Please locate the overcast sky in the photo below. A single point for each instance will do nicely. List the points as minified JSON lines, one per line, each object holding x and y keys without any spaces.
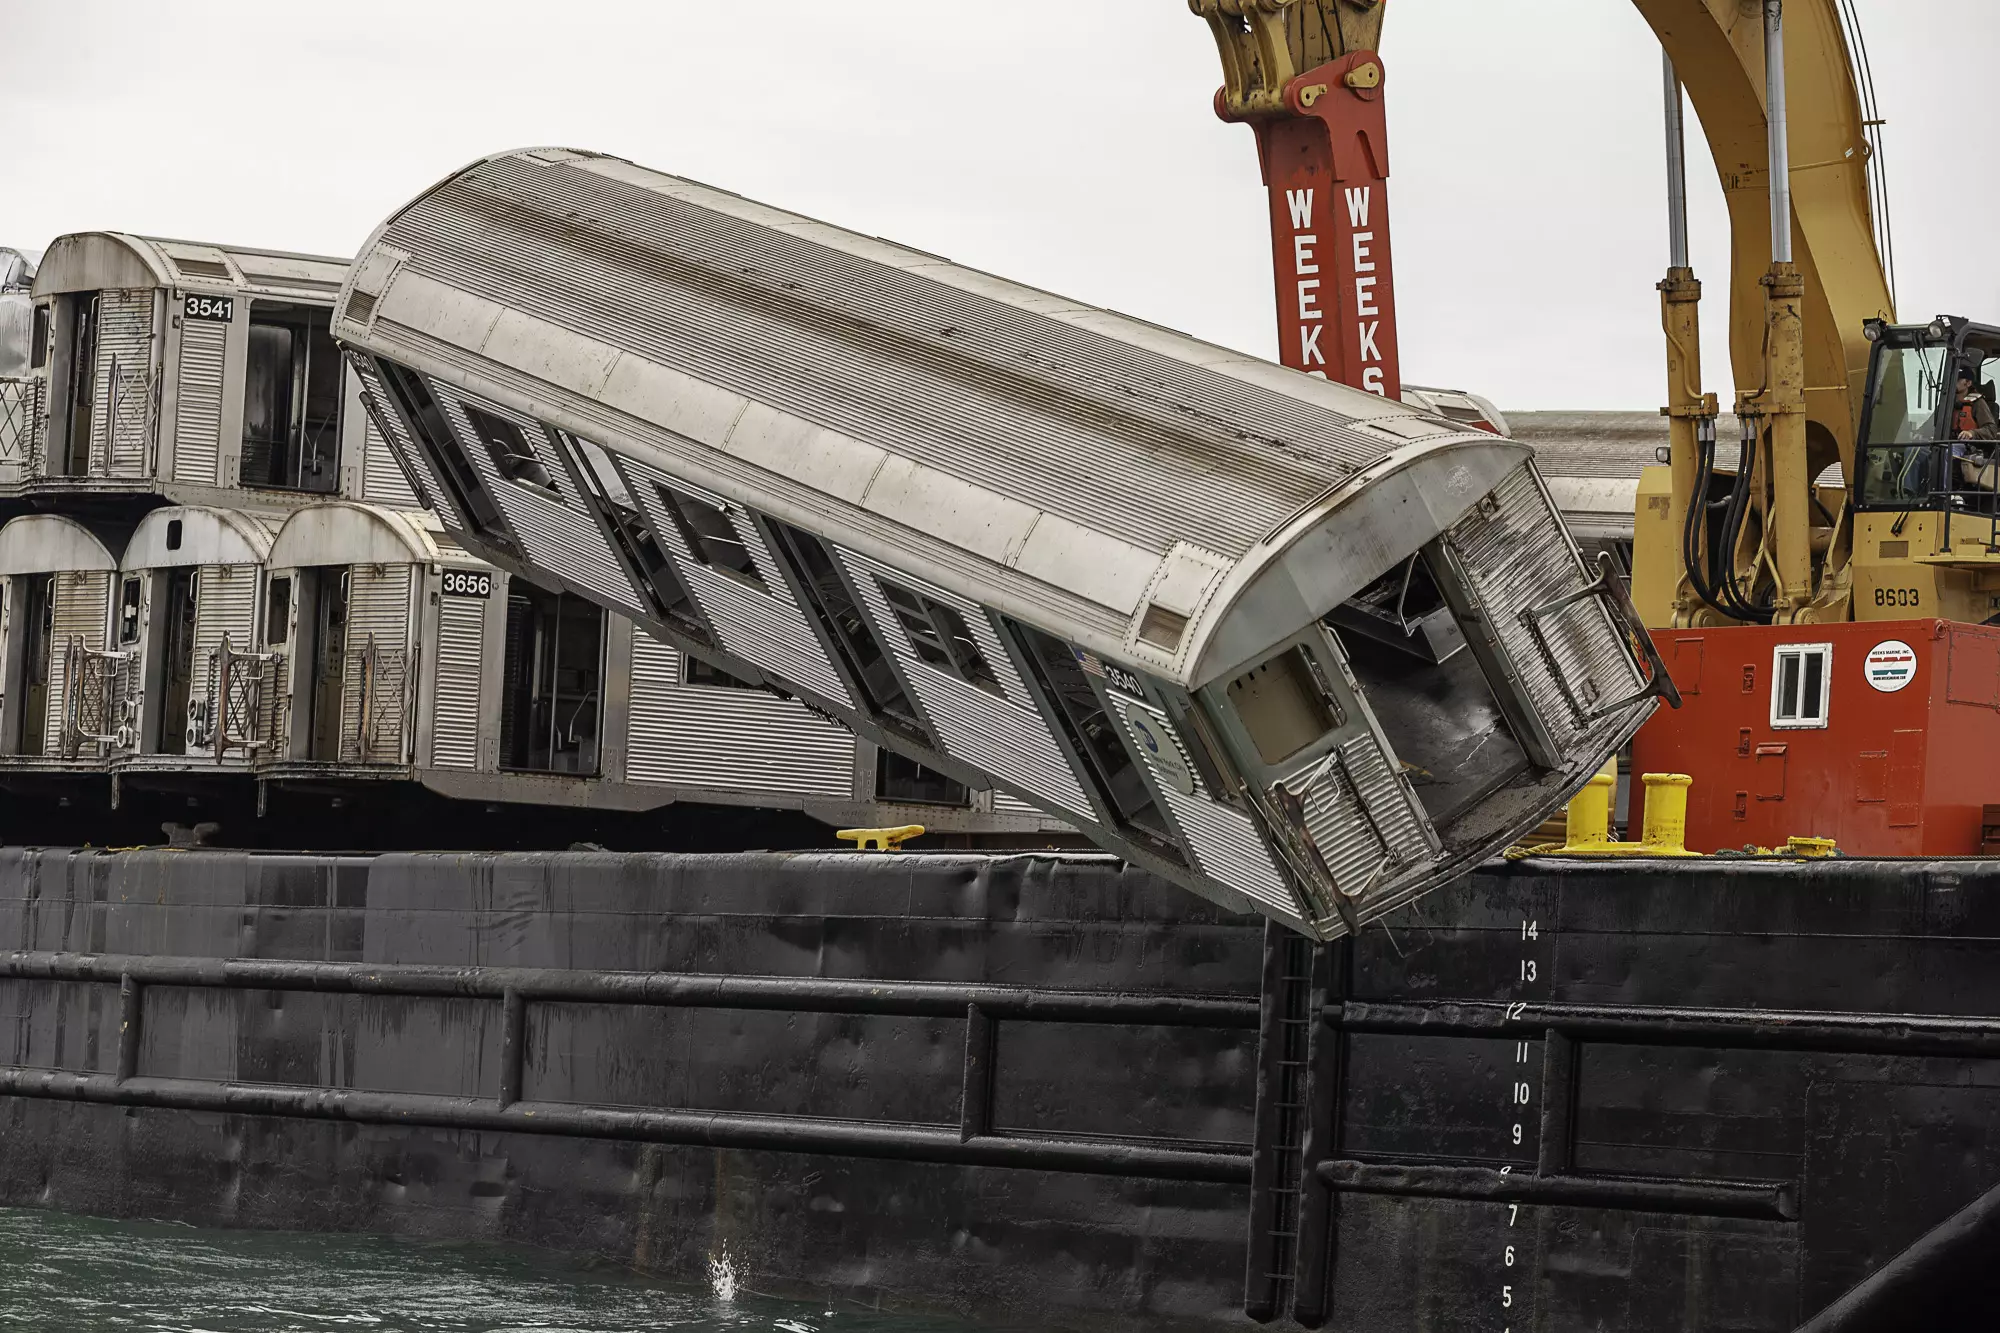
{"x":1071,"y":147}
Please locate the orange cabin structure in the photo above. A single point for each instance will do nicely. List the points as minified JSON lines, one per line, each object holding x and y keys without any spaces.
{"x":1882,"y":735}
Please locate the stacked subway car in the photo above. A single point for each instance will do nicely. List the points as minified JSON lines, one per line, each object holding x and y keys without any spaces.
{"x":1300,"y":649}
{"x":218,"y":576}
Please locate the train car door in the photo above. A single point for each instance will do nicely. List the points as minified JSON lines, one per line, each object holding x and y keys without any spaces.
{"x":329,"y":661}
{"x":551,"y":701}
{"x":38,"y":630}
{"x":82,"y":396}
{"x":129,"y":710}
{"x":176,"y":627}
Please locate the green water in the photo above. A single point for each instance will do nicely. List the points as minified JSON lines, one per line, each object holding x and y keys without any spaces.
{"x":83,"y":1275}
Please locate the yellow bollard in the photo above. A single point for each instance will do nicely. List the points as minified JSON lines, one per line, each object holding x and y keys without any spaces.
{"x":881,"y":839}
{"x":1589,"y":817}
{"x":1663,"y":831}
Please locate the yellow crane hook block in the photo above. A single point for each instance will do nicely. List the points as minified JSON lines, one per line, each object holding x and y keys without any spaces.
{"x":880,"y":839}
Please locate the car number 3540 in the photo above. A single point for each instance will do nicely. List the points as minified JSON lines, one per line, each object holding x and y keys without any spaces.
{"x":467,"y":583}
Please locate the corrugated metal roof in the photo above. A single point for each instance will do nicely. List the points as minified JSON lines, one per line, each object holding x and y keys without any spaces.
{"x":1590,"y":444}
{"x":90,"y":261}
{"x":1107,"y":421}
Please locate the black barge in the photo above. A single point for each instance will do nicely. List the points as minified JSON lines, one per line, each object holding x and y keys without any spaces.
{"x":1050,"y":1089}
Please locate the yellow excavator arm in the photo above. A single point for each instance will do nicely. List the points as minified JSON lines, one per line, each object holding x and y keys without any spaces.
{"x":1717,"y":47}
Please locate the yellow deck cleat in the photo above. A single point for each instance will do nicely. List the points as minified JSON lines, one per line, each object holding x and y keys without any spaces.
{"x":880,"y":839}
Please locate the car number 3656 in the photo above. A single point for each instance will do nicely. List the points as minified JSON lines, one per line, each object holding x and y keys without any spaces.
{"x":467,"y":583}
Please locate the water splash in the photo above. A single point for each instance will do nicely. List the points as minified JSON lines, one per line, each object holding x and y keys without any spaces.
{"x":722,"y":1275}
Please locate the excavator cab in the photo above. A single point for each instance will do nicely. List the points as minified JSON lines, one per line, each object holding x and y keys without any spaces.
{"x":1912,"y":456}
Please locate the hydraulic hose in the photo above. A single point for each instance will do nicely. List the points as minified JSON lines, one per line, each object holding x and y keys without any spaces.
{"x":1721,"y":591}
{"x":1737,"y":602}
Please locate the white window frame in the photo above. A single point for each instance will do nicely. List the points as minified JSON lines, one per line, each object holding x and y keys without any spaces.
{"x":1818,"y":720}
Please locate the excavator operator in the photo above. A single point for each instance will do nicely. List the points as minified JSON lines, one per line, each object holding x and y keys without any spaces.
{"x":1974,"y":419}
{"x":1974,"y":425}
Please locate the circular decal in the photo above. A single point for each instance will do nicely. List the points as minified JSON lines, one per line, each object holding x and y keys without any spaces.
{"x":1891,"y":665}
{"x":1168,"y":762}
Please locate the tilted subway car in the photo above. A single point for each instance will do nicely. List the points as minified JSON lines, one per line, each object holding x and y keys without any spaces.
{"x":1299,"y":648}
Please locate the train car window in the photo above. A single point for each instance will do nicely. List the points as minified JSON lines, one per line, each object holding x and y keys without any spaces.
{"x":128,"y":610}
{"x":601,"y":472}
{"x":1093,"y":732}
{"x":431,"y":430}
{"x":551,"y":678}
{"x":510,"y":450}
{"x":291,"y":400}
{"x":631,"y":536}
{"x":278,"y":609}
{"x":38,"y":340}
{"x":710,"y":536}
{"x":941,"y":637}
{"x":843,"y":625}
{"x":694,"y":671}
{"x":910,"y":783}
{"x":1283,"y":706}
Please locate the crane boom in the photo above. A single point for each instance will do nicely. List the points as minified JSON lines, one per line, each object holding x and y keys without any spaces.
{"x":1322,"y":141}
{"x":1305,"y":76}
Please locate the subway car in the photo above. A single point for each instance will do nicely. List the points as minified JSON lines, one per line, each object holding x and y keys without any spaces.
{"x":256,"y":599}
{"x":1301,"y":649}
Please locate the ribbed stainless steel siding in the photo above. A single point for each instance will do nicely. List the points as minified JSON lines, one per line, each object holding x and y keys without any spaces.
{"x":225,"y":603}
{"x":38,"y":438}
{"x":1224,"y":842}
{"x":553,"y":532}
{"x":1519,"y":556}
{"x":198,"y":423}
{"x":383,"y":420}
{"x":1004,"y":804}
{"x":1001,"y":736}
{"x":727,"y":739}
{"x":766,"y":628}
{"x":455,"y":694}
{"x":121,"y":430}
{"x":82,"y":601}
{"x":382,"y":479}
{"x":1361,"y":819}
{"x":378,"y":606}
{"x":1085,"y":425}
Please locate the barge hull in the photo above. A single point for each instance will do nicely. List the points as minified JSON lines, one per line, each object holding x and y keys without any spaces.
{"x":1553,"y":1096}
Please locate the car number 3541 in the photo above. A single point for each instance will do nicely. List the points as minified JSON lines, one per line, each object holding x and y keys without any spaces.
{"x":197,"y":306}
